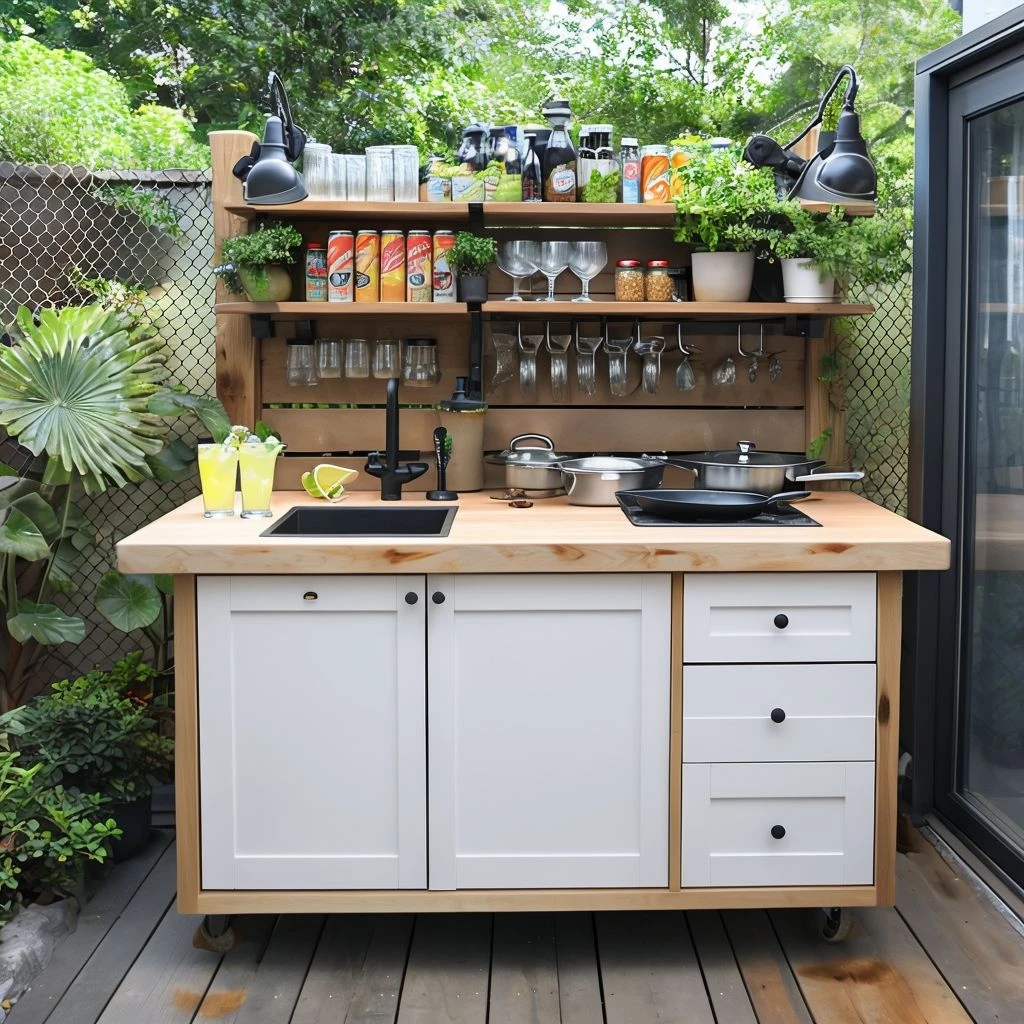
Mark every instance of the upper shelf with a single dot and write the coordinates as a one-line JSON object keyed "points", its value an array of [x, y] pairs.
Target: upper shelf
{"points": [[304, 310], [496, 215]]}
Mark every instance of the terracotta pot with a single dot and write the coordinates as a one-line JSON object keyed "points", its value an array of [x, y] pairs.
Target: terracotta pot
{"points": [[266, 284], [722, 276]]}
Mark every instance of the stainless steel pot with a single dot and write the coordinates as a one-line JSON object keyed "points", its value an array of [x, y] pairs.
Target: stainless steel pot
{"points": [[744, 469], [594, 480], [534, 468]]}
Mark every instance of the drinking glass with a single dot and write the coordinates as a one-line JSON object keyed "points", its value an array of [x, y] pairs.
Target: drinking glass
{"points": [[328, 358], [407, 174], [588, 259], [380, 174], [217, 468], [420, 368], [357, 358], [386, 358], [301, 368], [339, 187], [518, 260], [316, 170], [552, 259], [256, 470]]}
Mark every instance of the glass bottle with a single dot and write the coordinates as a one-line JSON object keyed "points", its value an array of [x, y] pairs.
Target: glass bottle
{"points": [[533, 183], [629, 165], [559, 166]]}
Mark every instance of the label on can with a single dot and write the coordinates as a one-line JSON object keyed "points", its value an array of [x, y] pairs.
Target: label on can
{"points": [[316, 274], [439, 190], [444, 279], [340, 259], [368, 266], [631, 181], [654, 174], [392, 266], [679, 158], [418, 278]]}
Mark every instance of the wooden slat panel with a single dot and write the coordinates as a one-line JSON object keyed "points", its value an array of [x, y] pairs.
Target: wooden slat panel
{"points": [[95, 921], [773, 990], [330, 983], [447, 976], [375, 1000], [879, 973], [524, 970], [579, 983], [232, 986], [655, 977], [718, 965]]}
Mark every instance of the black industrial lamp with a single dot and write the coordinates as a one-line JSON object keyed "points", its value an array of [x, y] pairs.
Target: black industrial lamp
{"points": [[267, 173], [839, 172]]}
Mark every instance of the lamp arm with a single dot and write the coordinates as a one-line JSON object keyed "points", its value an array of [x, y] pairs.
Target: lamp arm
{"points": [[848, 98]]}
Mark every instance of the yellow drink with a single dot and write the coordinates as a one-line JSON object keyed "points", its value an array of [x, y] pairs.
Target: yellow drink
{"points": [[217, 467], [256, 466]]}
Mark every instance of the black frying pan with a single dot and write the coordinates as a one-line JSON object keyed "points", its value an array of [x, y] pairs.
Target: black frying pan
{"points": [[701, 504]]}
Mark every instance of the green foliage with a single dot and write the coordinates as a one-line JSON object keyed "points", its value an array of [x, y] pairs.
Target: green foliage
{"points": [[817, 445], [153, 210], [47, 833], [270, 244], [57, 107], [602, 188], [96, 733], [471, 254]]}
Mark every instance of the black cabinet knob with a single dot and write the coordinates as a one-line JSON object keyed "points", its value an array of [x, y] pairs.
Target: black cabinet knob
{"points": [[411, 598], [778, 831], [437, 597], [310, 595], [781, 620], [778, 715]]}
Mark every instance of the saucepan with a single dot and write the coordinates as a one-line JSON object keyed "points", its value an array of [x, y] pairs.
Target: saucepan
{"points": [[594, 480], [701, 504]]}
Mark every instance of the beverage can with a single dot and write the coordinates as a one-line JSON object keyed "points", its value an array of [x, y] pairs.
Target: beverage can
{"points": [[340, 266], [368, 266], [444, 279], [679, 157], [654, 174], [418, 278], [392, 266], [316, 273]]}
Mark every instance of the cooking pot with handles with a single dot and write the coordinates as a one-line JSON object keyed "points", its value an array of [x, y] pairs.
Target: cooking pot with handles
{"points": [[533, 467]]}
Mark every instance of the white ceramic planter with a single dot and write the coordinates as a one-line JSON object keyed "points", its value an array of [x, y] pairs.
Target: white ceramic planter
{"points": [[722, 276], [803, 283]]}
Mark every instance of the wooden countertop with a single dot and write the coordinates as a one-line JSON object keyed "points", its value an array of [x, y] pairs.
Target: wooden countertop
{"points": [[552, 536]]}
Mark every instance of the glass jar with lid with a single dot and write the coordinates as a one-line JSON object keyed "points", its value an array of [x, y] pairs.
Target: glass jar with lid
{"points": [[658, 284], [420, 367], [629, 281]]}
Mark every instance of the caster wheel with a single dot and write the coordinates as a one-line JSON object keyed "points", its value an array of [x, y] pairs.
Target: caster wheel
{"points": [[834, 923], [215, 933]]}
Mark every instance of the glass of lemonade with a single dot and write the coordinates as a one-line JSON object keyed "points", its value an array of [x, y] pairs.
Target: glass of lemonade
{"points": [[256, 467], [218, 465]]}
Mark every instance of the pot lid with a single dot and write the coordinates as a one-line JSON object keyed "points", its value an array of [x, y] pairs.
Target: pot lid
{"points": [[609, 464], [745, 455], [520, 454]]}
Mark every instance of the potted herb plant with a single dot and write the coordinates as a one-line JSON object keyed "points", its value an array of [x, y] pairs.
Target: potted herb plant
{"points": [[728, 212], [469, 259], [814, 250], [256, 263]]}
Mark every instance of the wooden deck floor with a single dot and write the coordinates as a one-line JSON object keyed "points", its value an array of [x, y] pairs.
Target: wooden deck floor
{"points": [[947, 953]]}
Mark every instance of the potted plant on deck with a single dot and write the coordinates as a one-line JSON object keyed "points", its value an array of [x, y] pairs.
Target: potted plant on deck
{"points": [[256, 263], [469, 259]]}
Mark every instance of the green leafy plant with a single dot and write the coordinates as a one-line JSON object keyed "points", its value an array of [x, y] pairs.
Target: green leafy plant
{"points": [[822, 238], [725, 204], [48, 833], [471, 254], [270, 245], [602, 188], [152, 209]]}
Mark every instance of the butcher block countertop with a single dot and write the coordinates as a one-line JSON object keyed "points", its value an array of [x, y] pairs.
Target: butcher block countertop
{"points": [[552, 536]]}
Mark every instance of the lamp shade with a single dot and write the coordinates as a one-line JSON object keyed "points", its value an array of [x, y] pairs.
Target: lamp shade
{"points": [[272, 180]]}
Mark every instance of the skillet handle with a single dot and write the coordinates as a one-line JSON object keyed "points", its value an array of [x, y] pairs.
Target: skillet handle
{"points": [[854, 474], [787, 496]]}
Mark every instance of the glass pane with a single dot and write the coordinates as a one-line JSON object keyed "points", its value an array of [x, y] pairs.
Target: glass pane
{"points": [[992, 599]]}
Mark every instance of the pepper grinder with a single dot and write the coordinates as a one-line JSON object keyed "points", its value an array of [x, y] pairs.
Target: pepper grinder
{"points": [[442, 453]]}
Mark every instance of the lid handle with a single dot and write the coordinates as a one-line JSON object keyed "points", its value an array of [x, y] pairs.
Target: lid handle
{"points": [[548, 443], [745, 447]]}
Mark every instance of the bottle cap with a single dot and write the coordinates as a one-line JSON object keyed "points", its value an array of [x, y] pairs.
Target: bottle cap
{"points": [[315, 245], [657, 263], [627, 263], [630, 141]]}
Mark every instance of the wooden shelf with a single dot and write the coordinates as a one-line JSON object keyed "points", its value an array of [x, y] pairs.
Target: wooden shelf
{"points": [[312, 309], [407, 214], [676, 310]]}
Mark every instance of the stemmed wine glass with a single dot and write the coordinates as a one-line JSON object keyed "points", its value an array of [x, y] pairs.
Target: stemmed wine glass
{"points": [[518, 260], [552, 259], [587, 261]]}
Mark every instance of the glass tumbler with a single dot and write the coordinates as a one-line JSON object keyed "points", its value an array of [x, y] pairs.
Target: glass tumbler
{"points": [[380, 174], [301, 368], [316, 170], [339, 186], [355, 177], [218, 466], [420, 367], [357, 358], [407, 174], [386, 358], [328, 358], [256, 471]]}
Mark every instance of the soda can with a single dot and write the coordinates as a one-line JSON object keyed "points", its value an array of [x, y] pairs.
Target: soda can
{"points": [[654, 174], [316, 273], [679, 157], [419, 280], [392, 266], [368, 266], [340, 259], [444, 279]]}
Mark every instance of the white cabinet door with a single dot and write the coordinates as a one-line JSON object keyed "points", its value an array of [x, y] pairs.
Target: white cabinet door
{"points": [[549, 730], [312, 732]]}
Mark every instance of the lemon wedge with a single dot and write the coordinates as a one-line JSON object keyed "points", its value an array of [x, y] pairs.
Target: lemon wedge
{"points": [[327, 481]]}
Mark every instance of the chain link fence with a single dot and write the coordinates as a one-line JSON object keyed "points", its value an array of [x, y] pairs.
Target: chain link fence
{"points": [[59, 225]]}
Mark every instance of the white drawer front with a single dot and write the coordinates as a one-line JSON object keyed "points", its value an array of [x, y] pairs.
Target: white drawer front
{"points": [[824, 712], [313, 594], [825, 810], [781, 617]]}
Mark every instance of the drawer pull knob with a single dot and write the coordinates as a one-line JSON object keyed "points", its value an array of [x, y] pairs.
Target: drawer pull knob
{"points": [[778, 832], [309, 595], [781, 620], [411, 598], [437, 597], [778, 716]]}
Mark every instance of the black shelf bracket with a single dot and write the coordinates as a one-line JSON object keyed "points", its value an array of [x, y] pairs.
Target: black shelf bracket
{"points": [[305, 330], [261, 325], [476, 218], [476, 353]]}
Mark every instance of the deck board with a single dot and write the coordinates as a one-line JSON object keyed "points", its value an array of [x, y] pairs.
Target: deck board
{"points": [[579, 981], [524, 970], [375, 999], [722, 976], [330, 984], [233, 982]]}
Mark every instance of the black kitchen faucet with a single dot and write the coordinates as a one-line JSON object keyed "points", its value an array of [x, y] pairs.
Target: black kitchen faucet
{"points": [[391, 475]]}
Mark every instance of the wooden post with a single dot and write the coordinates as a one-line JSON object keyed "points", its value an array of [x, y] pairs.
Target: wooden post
{"points": [[238, 357]]}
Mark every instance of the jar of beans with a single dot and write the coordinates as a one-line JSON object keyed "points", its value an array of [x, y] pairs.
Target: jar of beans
{"points": [[629, 281], [658, 285]]}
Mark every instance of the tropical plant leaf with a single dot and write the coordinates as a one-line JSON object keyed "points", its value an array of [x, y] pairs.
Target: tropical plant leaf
{"points": [[211, 411], [41, 513], [128, 602], [175, 462], [21, 537], [44, 623], [164, 583], [6, 470], [65, 567]]}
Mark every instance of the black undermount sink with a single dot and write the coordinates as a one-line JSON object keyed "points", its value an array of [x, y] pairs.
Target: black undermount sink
{"points": [[363, 522]]}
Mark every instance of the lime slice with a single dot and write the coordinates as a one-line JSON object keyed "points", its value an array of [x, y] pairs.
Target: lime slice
{"points": [[327, 481]]}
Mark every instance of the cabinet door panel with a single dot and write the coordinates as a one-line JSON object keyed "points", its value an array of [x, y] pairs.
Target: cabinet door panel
{"points": [[312, 736], [548, 724]]}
